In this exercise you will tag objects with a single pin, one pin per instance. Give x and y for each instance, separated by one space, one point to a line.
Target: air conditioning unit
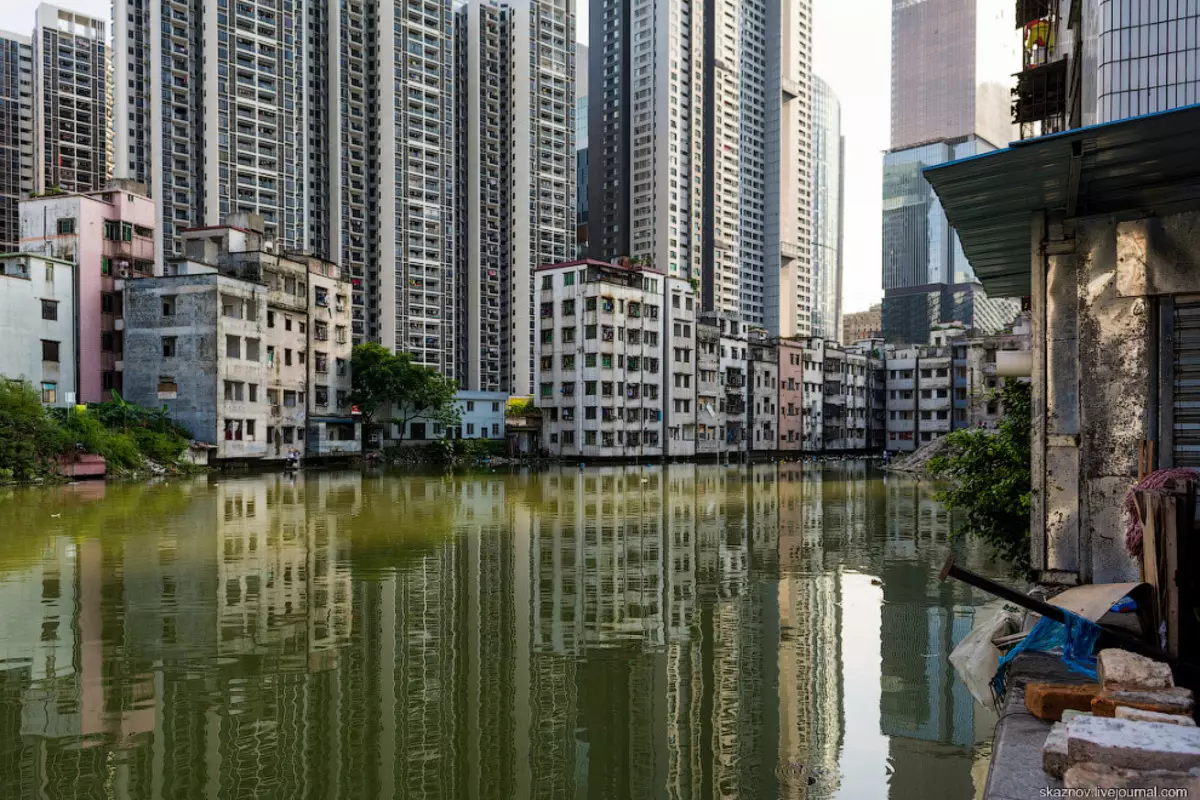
123 272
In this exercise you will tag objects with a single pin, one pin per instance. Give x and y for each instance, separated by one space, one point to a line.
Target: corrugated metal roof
1145 164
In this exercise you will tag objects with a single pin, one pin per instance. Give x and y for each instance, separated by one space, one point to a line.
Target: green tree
389 387
29 439
989 474
374 376
423 393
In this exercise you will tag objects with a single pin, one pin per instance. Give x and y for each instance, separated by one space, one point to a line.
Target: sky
851 51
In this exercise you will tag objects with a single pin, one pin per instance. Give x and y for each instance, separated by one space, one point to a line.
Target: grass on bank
130 437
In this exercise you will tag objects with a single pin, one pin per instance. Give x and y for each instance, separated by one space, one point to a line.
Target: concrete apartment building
680 409
600 359
109 235
72 148
763 405
791 395
723 395
16 134
860 325
247 347
710 399
949 383
37 325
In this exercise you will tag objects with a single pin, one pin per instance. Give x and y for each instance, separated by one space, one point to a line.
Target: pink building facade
791 395
109 236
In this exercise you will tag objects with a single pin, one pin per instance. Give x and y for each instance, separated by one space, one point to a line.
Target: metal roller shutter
1186 393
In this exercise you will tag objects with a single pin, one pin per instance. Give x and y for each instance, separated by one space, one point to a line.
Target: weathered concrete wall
194 366
1095 347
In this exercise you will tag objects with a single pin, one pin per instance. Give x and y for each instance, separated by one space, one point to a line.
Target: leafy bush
164 448
28 437
990 475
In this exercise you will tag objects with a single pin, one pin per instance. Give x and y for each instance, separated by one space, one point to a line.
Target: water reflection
678 632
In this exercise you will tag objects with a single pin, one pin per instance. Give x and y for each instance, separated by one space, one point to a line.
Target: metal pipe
1120 638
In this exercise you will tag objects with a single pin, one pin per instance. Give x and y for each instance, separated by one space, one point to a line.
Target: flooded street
682 631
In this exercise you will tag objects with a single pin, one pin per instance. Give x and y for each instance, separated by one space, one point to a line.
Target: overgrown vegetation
390 387
34 438
521 407
989 475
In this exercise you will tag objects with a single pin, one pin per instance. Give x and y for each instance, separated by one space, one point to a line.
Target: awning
1148 164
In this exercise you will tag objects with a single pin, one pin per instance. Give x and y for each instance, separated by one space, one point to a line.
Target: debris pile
1133 728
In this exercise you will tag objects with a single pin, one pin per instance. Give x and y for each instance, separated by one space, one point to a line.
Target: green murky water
668 632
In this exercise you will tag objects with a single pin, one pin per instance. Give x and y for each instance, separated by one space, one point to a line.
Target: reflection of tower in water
809 657
929 716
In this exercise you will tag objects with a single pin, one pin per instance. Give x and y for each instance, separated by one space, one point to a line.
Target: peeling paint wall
1095 351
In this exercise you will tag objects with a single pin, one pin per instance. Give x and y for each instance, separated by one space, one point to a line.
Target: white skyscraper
72 101
828 206
209 109
16 133
517 75
335 122
700 149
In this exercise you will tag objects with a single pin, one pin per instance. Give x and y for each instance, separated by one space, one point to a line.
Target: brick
1142 715
1054 751
1088 775
1121 669
1133 745
1165 701
1048 700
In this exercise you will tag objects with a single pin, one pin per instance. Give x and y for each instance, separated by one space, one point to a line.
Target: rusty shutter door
1186 390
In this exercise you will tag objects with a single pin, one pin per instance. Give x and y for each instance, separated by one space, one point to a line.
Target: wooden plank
1170 541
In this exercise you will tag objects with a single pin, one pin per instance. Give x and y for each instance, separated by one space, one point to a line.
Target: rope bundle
1152 482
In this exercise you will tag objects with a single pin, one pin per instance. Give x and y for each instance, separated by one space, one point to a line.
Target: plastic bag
976 658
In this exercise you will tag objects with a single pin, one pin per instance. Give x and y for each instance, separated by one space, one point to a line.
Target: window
253 393
547 336
568 335
589 360
589 304
589 332
169 346
270 324
589 437
66 225
252 349
167 388
339 334
289 399
287 323
49 393
569 279
168 305
233 346
287 356
49 350
470 405
568 307
322 396
322 296
341 366
249 429
300 356
495 407
49 309
547 282
589 388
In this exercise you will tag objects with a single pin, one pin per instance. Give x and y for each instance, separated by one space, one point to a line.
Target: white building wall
29 284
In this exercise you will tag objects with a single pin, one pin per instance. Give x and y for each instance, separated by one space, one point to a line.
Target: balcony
140 248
